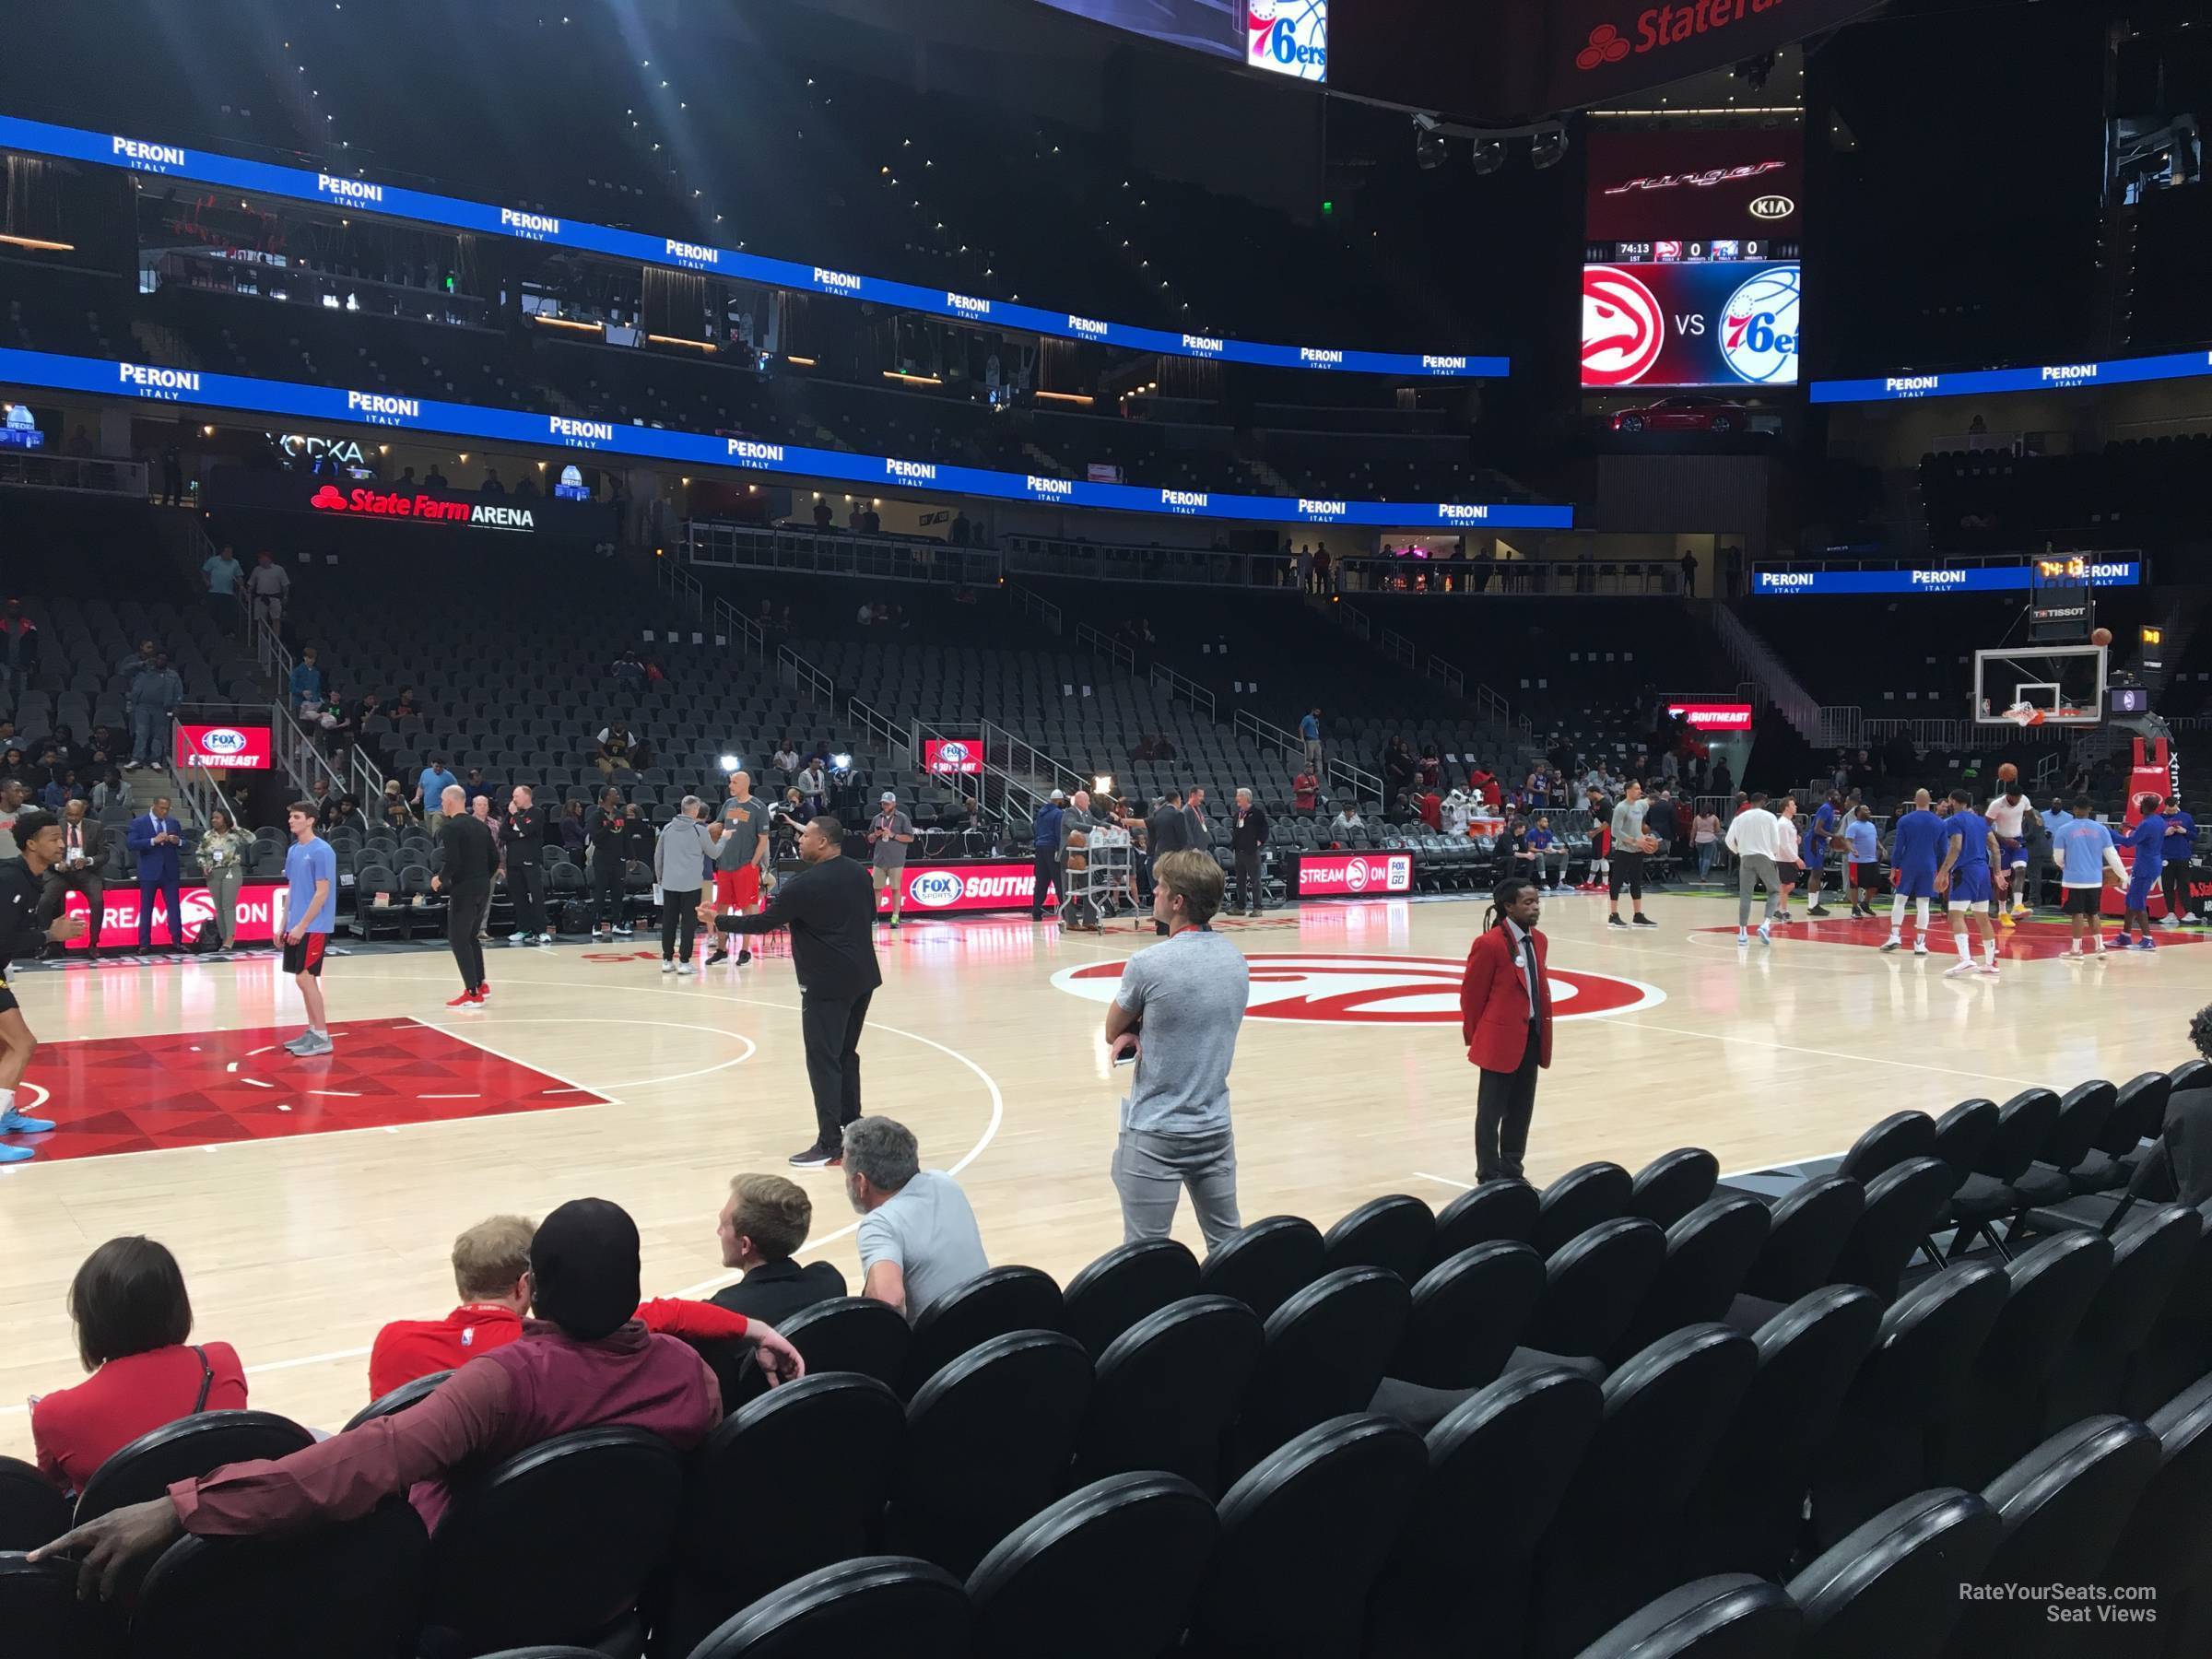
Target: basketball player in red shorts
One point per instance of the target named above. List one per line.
(740, 837)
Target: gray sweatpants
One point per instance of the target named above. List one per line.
(1150, 1172)
(1751, 868)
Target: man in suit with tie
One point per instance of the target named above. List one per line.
(1505, 1017)
(155, 837)
(83, 865)
(1166, 831)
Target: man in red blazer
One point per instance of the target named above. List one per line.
(1505, 1017)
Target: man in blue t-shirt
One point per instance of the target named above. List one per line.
(1862, 842)
(1915, 846)
(1967, 881)
(2177, 854)
(1813, 849)
(311, 911)
(1547, 853)
(2148, 839)
(2082, 848)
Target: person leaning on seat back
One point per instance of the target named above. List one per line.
(761, 1228)
(133, 1333)
(585, 1363)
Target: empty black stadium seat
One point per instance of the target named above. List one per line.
(1673, 1185)
(994, 1304)
(1709, 1251)
(1892, 1585)
(1264, 1263)
(1324, 1355)
(1395, 1233)
(870, 1603)
(1593, 1286)
(1168, 1388)
(1126, 1284)
(1733, 1617)
(1578, 1201)
(1496, 1209)
(1467, 1316)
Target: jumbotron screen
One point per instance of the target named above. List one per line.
(1690, 274)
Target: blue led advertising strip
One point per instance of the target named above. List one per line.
(2034, 376)
(197, 388)
(208, 167)
(1944, 579)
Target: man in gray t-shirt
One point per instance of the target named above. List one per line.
(918, 1237)
(1627, 828)
(890, 832)
(740, 836)
(1179, 1008)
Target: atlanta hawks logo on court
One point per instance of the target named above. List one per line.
(1378, 990)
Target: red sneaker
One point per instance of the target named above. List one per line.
(467, 999)
(483, 993)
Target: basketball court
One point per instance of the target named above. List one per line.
(312, 1200)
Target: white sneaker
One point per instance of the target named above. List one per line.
(1920, 947)
(1743, 936)
(685, 969)
(2170, 920)
(518, 938)
(1956, 969)
(668, 967)
(1766, 934)
(1988, 970)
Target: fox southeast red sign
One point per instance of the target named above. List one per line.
(246, 748)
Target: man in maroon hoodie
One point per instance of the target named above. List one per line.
(585, 1362)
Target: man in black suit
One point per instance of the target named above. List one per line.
(1246, 841)
(472, 859)
(1166, 831)
(83, 865)
(765, 1221)
(830, 907)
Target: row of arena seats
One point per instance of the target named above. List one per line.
(1615, 1401)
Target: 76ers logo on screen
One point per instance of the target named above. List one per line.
(1623, 328)
(1759, 329)
(1378, 990)
(1289, 37)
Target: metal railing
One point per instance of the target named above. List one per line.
(196, 788)
(1398, 648)
(1034, 603)
(1009, 752)
(730, 625)
(1365, 785)
(1840, 726)
(675, 582)
(880, 726)
(291, 741)
(1167, 679)
(801, 676)
(1756, 660)
(1114, 651)
(1928, 734)
(1444, 675)
(31, 470)
(1113, 561)
(877, 557)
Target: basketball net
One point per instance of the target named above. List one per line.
(2024, 714)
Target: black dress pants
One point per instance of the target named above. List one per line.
(679, 924)
(606, 888)
(832, 1027)
(526, 886)
(1504, 1103)
(1248, 879)
(1047, 873)
(464, 908)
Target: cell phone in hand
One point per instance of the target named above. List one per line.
(1126, 1057)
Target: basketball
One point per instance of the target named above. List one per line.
(2007, 772)
(2100, 636)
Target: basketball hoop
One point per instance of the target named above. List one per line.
(2024, 714)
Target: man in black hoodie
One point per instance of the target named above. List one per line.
(471, 859)
(830, 907)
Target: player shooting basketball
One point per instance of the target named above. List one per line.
(23, 884)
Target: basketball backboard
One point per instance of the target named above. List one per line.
(2032, 686)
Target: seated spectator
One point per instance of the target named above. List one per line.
(630, 670)
(1547, 853)
(575, 830)
(1142, 750)
(62, 789)
(615, 746)
(586, 1362)
(1163, 749)
(918, 1237)
(1305, 792)
(475, 788)
(1347, 820)
(134, 1323)
(1431, 765)
(867, 611)
(765, 1221)
(405, 706)
(491, 1271)
(398, 820)
(786, 757)
(814, 788)
(392, 797)
(1482, 783)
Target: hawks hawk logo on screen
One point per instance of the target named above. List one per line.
(1378, 990)
(1623, 327)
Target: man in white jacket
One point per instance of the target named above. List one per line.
(1754, 837)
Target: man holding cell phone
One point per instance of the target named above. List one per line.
(1177, 1014)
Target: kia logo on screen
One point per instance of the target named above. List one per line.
(934, 889)
(1772, 207)
(223, 740)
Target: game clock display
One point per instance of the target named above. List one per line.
(1728, 323)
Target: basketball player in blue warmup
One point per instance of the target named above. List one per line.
(1966, 879)
(1915, 845)
(1813, 854)
(2149, 839)
(2083, 848)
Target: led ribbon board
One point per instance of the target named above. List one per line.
(361, 195)
(288, 401)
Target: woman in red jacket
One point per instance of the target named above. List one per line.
(133, 1325)
(1505, 1017)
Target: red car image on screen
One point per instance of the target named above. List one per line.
(1685, 414)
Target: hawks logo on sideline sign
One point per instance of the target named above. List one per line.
(1379, 990)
